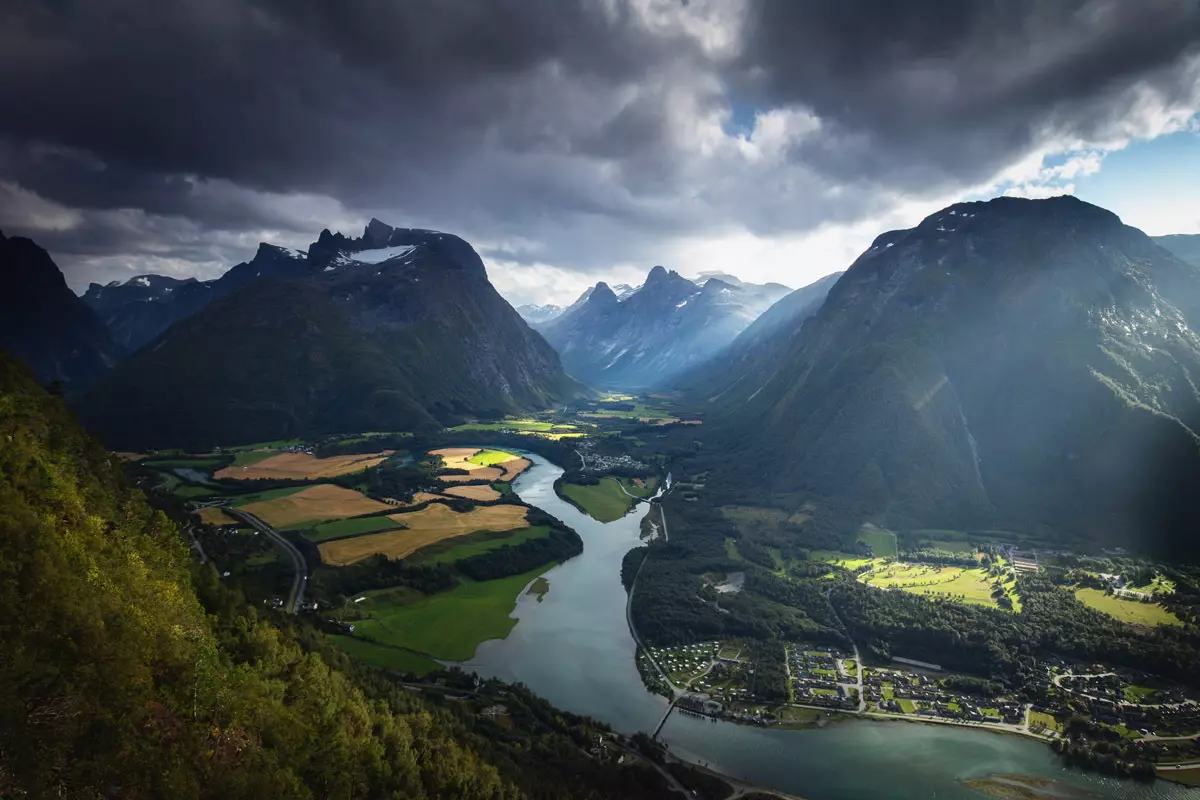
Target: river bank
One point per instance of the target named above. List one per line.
(575, 649)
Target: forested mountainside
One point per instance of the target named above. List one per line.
(124, 675)
(659, 330)
(45, 324)
(396, 330)
(1011, 363)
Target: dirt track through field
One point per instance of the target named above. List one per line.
(434, 523)
(319, 503)
(303, 466)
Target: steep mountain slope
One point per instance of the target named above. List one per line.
(382, 338)
(1185, 246)
(45, 324)
(1011, 363)
(661, 329)
(754, 350)
(117, 682)
(144, 306)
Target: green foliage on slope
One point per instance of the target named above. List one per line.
(116, 682)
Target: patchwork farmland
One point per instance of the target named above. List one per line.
(480, 464)
(302, 466)
(314, 504)
(434, 523)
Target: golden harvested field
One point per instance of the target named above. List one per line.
(314, 504)
(460, 458)
(215, 516)
(482, 493)
(431, 524)
(303, 466)
(514, 467)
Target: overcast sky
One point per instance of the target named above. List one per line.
(572, 141)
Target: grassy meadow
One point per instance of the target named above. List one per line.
(1131, 611)
(449, 625)
(448, 552)
(603, 502)
(355, 526)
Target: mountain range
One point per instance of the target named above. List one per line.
(395, 330)
(535, 314)
(751, 353)
(656, 331)
(45, 324)
(139, 309)
(1186, 246)
(1012, 363)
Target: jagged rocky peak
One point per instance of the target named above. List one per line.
(659, 274)
(377, 233)
(601, 294)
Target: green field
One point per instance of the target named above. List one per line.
(1037, 719)
(954, 583)
(555, 430)
(269, 494)
(883, 543)
(193, 463)
(486, 458)
(448, 625)
(907, 705)
(190, 492)
(377, 655)
(1130, 611)
(850, 562)
(640, 410)
(731, 551)
(603, 502)
(349, 527)
(246, 458)
(462, 547)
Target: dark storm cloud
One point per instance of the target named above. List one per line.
(957, 88)
(570, 132)
(311, 96)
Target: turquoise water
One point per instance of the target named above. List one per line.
(574, 649)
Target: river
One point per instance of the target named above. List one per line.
(574, 648)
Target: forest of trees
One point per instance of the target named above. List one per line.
(673, 606)
(126, 675)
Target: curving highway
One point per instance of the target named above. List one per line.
(296, 596)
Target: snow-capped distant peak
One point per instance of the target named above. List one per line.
(142, 280)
